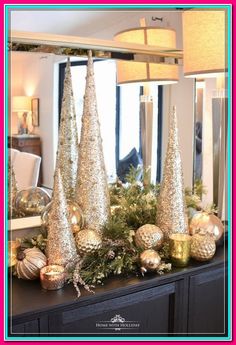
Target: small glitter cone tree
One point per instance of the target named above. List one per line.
(61, 248)
(92, 192)
(171, 216)
(12, 190)
(67, 155)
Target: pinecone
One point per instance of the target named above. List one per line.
(111, 254)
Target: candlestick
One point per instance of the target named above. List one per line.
(180, 245)
(52, 277)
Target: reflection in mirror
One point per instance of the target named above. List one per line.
(210, 147)
(38, 75)
(220, 134)
(198, 131)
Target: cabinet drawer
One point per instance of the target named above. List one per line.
(149, 311)
(26, 142)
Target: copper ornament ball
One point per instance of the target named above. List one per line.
(87, 241)
(32, 201)
(149, 236)
(75, 215)
(203, 247)
(150, 260)
(208, 222)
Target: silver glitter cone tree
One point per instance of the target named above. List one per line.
(92, 193)
(171, 202)
(67, 154)
(61, 248)
(12, 190)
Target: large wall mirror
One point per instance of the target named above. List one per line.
(201, 112)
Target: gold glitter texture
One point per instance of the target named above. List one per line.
(12, 189)
(92, 193)
(171, 204)
(61, 248)
(67, 155)
(149, 236)
(88, 241)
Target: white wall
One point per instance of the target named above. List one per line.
(35, 74)
(181, 95)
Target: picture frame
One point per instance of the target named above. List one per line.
(35, 111)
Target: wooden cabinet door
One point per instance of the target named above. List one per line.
(207, 303)
(33, 327)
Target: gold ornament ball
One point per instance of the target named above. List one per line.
(115, 209)
(150, 260)
(208, 222)
(149, 236)
(203, 247)
(75, 215)
(32, 201)
(88, 241)
(12, 252)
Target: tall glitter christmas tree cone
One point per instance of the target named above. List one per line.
(67, 154)
(12, 190)
(171, 217)
(61, 248)
(92, 192)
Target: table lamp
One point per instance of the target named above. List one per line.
(22, 106)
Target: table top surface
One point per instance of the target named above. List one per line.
(27, 297)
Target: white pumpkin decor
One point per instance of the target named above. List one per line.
(29, 262)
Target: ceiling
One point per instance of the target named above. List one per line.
(97, 23)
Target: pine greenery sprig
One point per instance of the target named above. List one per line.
(98, 266)
(39, 241)
(116, 229)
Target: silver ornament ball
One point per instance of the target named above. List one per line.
(32, 201)
(76, 217)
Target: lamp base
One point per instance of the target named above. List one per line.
(23, 131)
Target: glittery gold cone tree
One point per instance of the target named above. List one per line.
(92, 193)
(61, 248)
(171, 203)
(12, 190)
(67, 155)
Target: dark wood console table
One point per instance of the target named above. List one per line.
(190, 301)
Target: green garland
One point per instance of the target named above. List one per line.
(118, 254)
(133, 205)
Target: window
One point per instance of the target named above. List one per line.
(119, 113)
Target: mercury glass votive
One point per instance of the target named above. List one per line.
(52, 277)
(180, 246)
